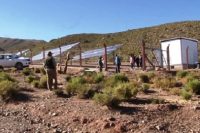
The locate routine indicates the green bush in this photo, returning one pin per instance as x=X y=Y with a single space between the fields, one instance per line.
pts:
x=121 y=78
x=5 y=76
x=36 y=83
x=43 y=82
x=42 y=70
x=37 y=70
x=124 y=91
x=106 y=99
x=151 y=75
x=181 y=74
x=58 y=92
x=27 y=71
x=29 y=79
x=145 y=87
x=68 y=78
x=115 y=80
x=74 y=84
x=186 y=95
x=8 y=89
x=85 y=92
x=157 y=101
x=143 y=78
x=175 y=91
x=98 y=78
x=165 y=83
x=193 y=86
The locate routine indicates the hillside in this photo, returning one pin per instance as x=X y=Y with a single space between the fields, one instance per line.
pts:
x=9 y=44
x=131 y=39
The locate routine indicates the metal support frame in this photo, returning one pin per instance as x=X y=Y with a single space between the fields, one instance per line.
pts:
x=168 y=59
x=187 y=57
x=105 y=57
x=143 y=56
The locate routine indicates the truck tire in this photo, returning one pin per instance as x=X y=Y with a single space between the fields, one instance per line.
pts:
x=19 y=66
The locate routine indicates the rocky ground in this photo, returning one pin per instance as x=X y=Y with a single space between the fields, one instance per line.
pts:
x=41 y=111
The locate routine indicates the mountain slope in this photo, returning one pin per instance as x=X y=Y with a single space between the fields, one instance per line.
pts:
x=131 y=39
x=9 y=44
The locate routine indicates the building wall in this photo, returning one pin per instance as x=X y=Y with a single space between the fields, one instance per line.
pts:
x=174 y=52
x=192 y=51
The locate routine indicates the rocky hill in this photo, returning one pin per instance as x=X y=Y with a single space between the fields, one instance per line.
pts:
x=9 y=44
x=130 y=39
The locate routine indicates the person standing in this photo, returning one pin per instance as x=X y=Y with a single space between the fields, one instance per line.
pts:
x=50 y=67
x=132 y=61
x=117 y=63
x=137 y=61
x=100 y=64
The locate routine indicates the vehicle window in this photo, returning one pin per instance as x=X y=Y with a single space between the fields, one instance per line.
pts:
x=8 y=57
x=1 y=57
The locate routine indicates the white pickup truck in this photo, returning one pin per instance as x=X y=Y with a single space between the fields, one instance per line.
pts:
x=12 y=60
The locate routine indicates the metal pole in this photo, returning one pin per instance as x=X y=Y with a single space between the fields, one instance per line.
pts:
x=43 y=50
x=187 y=57
x=168 y=59
x=31 y=55
x=80 y=55
x=143 y=56
x=105 y=57
x=60 y=55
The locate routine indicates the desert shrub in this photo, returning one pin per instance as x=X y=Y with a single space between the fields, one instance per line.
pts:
x=37 y=70
x=115 y=80
x=186 y=95
x=8 y=89
x=175 y=91
x=106 y=99
x=42 y=70
x=121 y=78
x=36 y=83
x=5 y=76
x=29 y=79
x=143 y=78
x=27 y=71
x=181 y=74
x=144 y=87
x=85 y=92
x=89 y=73
x=68 y=78
x=193 y=86
x=151 y=75
x=157 y=101
x=98 y=78
x=43 y=82
x=191 y=77
x=165 y=83
x=59 y=93
x=123 y=91
x=74 y=84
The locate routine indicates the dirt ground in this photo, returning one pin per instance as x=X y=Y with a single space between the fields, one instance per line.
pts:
x=41 y=111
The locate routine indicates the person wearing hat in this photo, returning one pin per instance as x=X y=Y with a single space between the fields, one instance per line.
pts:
x=50 y=67
x=100 y=64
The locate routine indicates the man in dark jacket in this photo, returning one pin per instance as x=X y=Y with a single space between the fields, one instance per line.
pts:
x=117 y=63
x=100 y=64
x=50 y=67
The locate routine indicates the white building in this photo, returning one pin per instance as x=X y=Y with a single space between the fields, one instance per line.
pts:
x=183 y=52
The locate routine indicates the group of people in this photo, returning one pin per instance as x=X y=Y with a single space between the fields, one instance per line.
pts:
x=135 y=61
x=50 y=67
x=117 y=62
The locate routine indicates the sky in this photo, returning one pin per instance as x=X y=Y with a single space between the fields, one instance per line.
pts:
x=51 y=19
